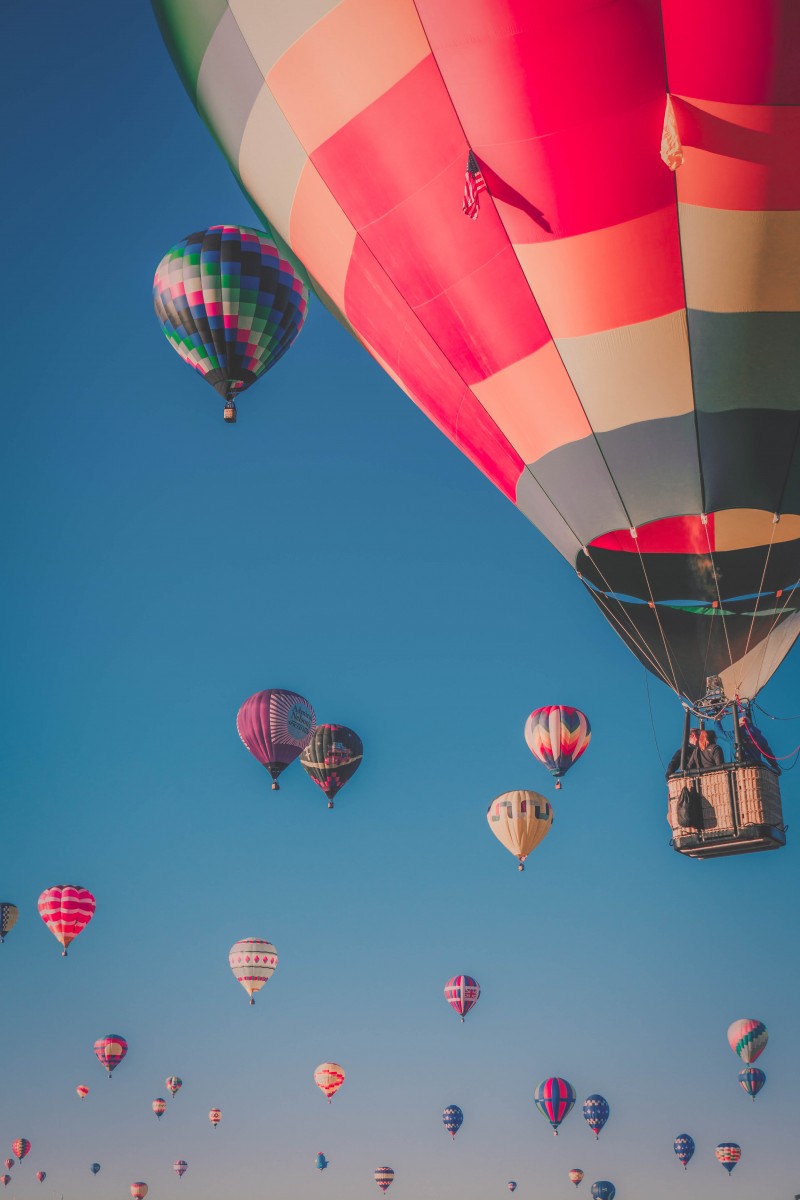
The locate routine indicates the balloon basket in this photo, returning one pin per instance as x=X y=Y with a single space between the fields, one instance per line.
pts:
x=742 y=812
x=330 y=804
x=276 y=787
x=229 y=413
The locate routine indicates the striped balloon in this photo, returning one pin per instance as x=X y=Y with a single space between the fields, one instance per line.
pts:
x=453 y=1119
x=253 y=961
x=557 y=736
x=94 y=1168
x=139 y=1191
x=82 y=1090
x=173 y=1084
x=728 y=1154
x=215 y=1116
x=684 y=1148
x=275 y=726
x=111 y=1050
x=66 y=910
x=159 y=1106
x=9 y=914
x=748 y=1038
x=554 y=1099
x=329 y=1077
x=461 y=993
x=752 y=1079
x=603 y=1189
x=575 y=1175
x=180 y=1167
x=595 y=1113
x=41 y=1176
x=383 y=1177
x=21 y=1147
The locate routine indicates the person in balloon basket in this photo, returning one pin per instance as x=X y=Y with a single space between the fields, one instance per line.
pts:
x=704 y=754
x=754 y=746
x=675 y=762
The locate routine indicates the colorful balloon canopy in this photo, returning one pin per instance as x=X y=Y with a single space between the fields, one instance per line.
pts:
x=230 y=304
x=9 y=914
x=66 y=910
x=603 y=1189
x=21 y=1148
x=512 y=1185
x=82 y=1090
x=557 y=736
x=110 y=1051
x=139 y=1191
x=684 y=1148
x=554 y=1099
x=41 y=1176
x=9 y=1163
x=575 y=1175
x=383 y=1177
x=332 y=757
x=253 y=961
x=609 y=341
x=276 y=726
x=748 y=1038
x=728 y=1154
x=329 y=1077
x=595 y=1113
x=462 y=993
x=173 y=1084
x=159 y=1106
x=320 y=1162
x=94 y=1168
x=752 y=1079
x=5 y=1180
x=520 y=821
x=180 y=1167
x=215 y=1116
x=453 y=1119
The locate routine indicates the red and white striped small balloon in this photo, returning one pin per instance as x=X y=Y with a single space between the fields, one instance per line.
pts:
x=329 y=1077
x=462 y=993
x=66 y=910
x=139 y=1191
x=110 y=1051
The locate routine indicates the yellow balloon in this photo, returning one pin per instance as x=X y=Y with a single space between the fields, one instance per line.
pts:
x=520 y=820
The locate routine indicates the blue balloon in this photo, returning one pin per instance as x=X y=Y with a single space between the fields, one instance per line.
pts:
x=452 y=1117
x=684 y=1148
x=94 y=1168
x=321 y=1162
x=595 y=1113
x=752 y=1080
x=603 y=1190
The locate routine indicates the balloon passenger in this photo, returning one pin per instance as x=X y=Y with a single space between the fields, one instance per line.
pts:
x=707 y=755
x=754 y=746
x=674 y=766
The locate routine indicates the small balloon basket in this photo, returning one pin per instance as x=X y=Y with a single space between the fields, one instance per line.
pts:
x=741 y=808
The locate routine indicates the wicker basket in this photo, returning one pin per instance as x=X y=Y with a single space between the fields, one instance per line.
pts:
x=742 y=812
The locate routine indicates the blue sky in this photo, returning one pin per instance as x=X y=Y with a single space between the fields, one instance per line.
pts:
x=160 y=568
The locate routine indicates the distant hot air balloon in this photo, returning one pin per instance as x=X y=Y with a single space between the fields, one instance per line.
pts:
x=110 y=1051
x=66 y=910
x=139 y=1191
x=512 y=1185
x=5 y=1180
x=321 y=1162
x=332 y=757
x=461 y=993
x=275 y=726
x=94 y=1168
x=21 y=1147
x=180 y=1167
x=159 y=1106
x=215 y=1116
x=9 y=914
x=752 y=1079
x=575 y=1175
x=453 y=1119
x=557 y=736
x=684 y=1148
x=41 y=1176
x=595 y=1113
x=603 y=1190
x=173 y=1085
x=748 y=1038
x=329 y=1077
x=728 y=1154
x=383 y=1178
x=231 y=304
x=554 y=1099
x=520 y=821
x=82 y=1090
x=9 y=1163
x=253 y=961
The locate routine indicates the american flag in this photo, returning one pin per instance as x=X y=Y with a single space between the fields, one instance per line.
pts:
x=474 y=184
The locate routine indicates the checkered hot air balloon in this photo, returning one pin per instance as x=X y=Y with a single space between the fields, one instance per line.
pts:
x=110 y=1051
x=9 y=913
x=383 y=1177
x=230 y=304
x=461 y=993
x=180 y=1167
x=520 y=821
x=41 y=1176
x=329 y=1077
x=603 y=1189
x=66 y=910
x=684 y=1148
x=253 y=961
x=215 y=1116
x=752 y=1079
x=139 y=1191
x=173 y=1085
x=554 y=1099
x=159 y=1106
x=82 y=1091
x=728 y=1155
x=21 y=1148
x=332 y=757
x=276 y=726
x=557 y=736
x=453 y=1119
x=595 y=1113
x=575 y=1175
x=748 y=1038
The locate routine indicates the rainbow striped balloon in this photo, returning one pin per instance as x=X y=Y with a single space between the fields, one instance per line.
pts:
x=66 y=910
x=557 y=736
x=159 y=1106
x=748 y=1038
x=554 y=1099
x=462 y=993
x=728 y=1154
x=383 y=1178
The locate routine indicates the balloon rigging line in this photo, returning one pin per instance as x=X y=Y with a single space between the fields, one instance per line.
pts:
x=769 y=634
x=652 y=718
x=601 y=597
x=716 y=585
x=761 y=585
x=657 y=616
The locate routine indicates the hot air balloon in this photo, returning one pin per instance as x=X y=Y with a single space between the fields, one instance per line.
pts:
x=9 y=913
x=275 y=726
x=9 y=1163
x=82 y=1090
x=595 y=1113
x=575 y=1175
x=752 y=1079
x=253 y=961
x=180 y=1167
x=383 y=1177
x=41 y=1176
x=520 y=821
x=94 y=1168
x=21 y=1148
x=215 y=1116
x=684 y=1148
x=329 y=1077
x=748 y=1038
x=66 y=910
x=557 y=736
x=554 y=1099
x=5 y=1180
x=607 y=339
x=728 y=1154
x=110 y=1051
x=512 y=1185
x=321 y=1162
x=159 y=1106
x=173 y=1085
x=461 y=993
x=603 y=1190
x=231 y=304
x=332 y=757
x=453 y=1119
x=139 y=1191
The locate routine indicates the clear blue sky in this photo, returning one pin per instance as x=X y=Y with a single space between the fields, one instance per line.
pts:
x=159 y=568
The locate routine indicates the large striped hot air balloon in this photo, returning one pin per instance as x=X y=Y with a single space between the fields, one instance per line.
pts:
x=748 y=1038
x=66 y=910
x=575 y=1175
x=462 y=993
x=383 y=1177
x=110 y=1051
x=595 y=1113
x=276 y=726
x=554 y=1099
x=557 y=736
x=173 y=1085
x=9 y=914
x=159 y=1106
x=139 y=1191
x=752 y=1079
x=231 y=304
x=215 y=1116
x=684 y=1148
x=332 y=757
x=180 y=1167
x=21 y=1148
x=728 y=1155
x=453 y=1119
x=253 y=961
x=520 y=821
x=329 y=1077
